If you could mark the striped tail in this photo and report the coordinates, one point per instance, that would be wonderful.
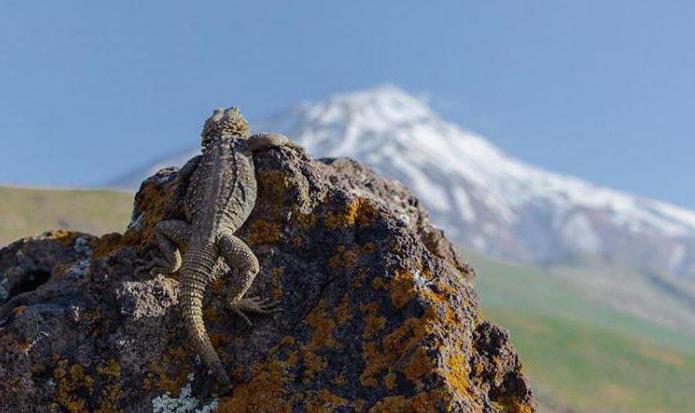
(195, 274)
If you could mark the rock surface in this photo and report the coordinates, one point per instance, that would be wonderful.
(379, 313)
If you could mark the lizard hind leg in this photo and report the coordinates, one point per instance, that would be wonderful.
(244, 267)
(171, 236)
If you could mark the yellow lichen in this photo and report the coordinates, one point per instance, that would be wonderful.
(457, 372)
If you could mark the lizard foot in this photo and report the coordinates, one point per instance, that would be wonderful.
(254, 305)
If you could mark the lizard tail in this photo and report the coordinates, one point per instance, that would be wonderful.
(193, 280)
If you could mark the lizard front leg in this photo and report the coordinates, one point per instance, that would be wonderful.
(244, 267)
(171, 235)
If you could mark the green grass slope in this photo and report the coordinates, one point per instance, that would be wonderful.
(584, 356)
(26, 212)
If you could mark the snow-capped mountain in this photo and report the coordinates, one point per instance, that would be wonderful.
(481, 196)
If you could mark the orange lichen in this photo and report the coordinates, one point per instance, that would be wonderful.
(418, 365)
(107, 244)
(403, 288)
(272, 187)
(218, 340)
(432, 401)
(359, 280)
(390, 380)
(439, 307)
(304, 221)
(71, 381)
(264, 393)
(313, 363)
(63, 236)
(509, 405)
(288, 341)
(322, 325)
(375, 362)
(340, 380)
(218, 284)
(323, 401)
(19, 310)
(346, 258)
(264, 232)
(368, 248)
(373, 322)
(379, 356)
(343, 259)
(111, 387)
(276, 280)
(172, 372)
(378, 282)
(152, 202)
(342, 312)
(360, 211)
(292, 358)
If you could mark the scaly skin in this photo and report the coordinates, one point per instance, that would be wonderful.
(220, 192)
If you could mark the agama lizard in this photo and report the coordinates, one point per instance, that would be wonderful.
(219, 192)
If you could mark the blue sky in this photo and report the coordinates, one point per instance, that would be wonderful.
(604, 90)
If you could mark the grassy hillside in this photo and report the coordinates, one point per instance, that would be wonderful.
(31, 211)
(584, 355)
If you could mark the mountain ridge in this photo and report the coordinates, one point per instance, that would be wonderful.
(484, 198)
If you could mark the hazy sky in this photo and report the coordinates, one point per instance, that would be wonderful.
(600, 89)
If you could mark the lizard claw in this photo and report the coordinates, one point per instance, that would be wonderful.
(254, 305)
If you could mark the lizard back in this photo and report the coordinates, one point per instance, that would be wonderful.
(222, 190)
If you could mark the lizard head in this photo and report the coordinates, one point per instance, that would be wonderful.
(224, 123)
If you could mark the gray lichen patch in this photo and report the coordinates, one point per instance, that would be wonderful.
(184, 403)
